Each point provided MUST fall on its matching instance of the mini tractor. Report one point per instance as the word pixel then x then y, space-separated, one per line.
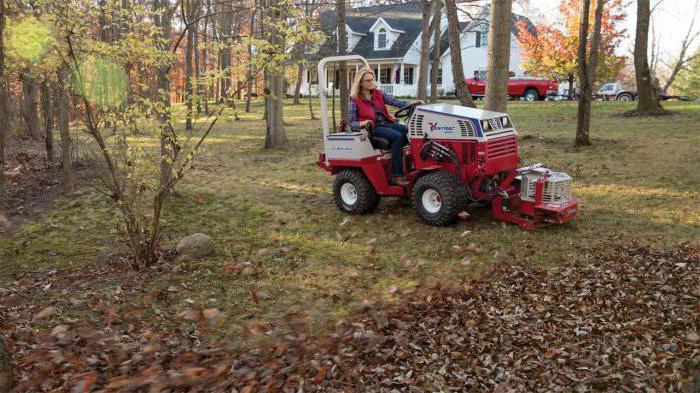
pixel 456 156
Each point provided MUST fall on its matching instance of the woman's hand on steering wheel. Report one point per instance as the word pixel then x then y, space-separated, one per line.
pixel 407 110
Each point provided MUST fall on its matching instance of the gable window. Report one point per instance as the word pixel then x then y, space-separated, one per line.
pixel 408 75
pixel 381 39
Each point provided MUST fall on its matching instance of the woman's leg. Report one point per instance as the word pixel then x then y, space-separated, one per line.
pixel 403 130
pixel 396 138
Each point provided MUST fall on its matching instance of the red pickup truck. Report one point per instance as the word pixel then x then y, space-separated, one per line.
pixel 532 89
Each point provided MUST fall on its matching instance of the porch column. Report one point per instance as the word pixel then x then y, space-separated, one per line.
pixel 378 74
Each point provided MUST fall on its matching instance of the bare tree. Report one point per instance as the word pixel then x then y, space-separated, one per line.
pixel 190 14
pixel 30 106
pixel 343 49
pixel 4 112
pixel 500 26
pixel 47 110
pixel 453 34
pixel 435 64
pixel 63 122
pixel 424 52
pixel 683 58
pixel 648 97
pixel 586 69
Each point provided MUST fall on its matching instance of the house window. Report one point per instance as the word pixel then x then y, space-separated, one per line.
pixel 439 78
pixel 385 76
pixel 381 39
pixel 408 75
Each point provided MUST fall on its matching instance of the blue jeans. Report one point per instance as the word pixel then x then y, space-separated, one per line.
pixel 396 134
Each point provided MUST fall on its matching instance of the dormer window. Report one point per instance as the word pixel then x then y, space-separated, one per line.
pixel 381 39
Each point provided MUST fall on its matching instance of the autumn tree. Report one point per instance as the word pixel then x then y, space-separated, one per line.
pixel 552 50
pixel 587 59
pixel 500 23
pixel 424 51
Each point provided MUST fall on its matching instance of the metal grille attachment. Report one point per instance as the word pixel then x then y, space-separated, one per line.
pixel 495 124
pixel 416 126
pixel 467 129
pixel 557 187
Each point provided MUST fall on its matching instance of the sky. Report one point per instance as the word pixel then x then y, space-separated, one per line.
pixel 671 20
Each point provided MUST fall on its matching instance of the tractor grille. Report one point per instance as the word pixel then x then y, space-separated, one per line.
pixel 469 153
pixel 557 187
pixel 467 129
pixel 416 126
pixel 502 147
pixel 495 124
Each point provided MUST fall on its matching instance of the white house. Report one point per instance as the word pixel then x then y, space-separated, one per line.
pixel 389 36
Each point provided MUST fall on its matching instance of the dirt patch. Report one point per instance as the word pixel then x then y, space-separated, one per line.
pixel 626 321
pixel 636 113
pixel 32 183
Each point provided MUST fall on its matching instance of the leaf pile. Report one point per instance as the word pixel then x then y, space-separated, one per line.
pixel 628 321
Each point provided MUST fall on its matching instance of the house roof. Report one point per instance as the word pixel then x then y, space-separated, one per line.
pixel 405 17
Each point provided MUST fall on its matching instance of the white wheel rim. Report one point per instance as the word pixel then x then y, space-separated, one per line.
pixel 624 98
pixel 348 193
pixel 431 201
pixel 530 97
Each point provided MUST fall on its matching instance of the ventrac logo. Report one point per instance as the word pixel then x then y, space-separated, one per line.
pixel 435 127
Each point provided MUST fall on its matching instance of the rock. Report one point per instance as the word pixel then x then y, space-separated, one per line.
pixel 195 246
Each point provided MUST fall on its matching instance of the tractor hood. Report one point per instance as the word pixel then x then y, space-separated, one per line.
pixel 445 121
pixel 461 111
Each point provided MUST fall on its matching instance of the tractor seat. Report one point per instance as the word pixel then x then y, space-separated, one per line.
pixel 381 143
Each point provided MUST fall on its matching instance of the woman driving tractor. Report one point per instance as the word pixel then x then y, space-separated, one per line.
pixel 367 109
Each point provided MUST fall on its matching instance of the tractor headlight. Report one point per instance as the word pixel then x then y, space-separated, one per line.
pixel 504 121
pixel 485 125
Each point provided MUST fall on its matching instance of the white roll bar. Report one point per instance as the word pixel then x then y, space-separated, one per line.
pixel 322 85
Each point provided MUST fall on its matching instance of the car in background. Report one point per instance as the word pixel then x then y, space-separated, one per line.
pixel 530 89
pixel 614 91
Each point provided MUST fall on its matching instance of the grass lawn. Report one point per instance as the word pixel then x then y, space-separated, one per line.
pixel 282 245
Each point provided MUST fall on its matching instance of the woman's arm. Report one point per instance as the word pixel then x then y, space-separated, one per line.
pixel 391 100
pixel 354 120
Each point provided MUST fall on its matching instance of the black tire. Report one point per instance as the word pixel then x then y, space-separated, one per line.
pixel 452 196
pixel 366 197
pixel 531 94
pixel 625 97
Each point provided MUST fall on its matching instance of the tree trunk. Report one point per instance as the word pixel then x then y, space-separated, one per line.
pixel 648 98
pixel 226 31
pixel 462 91
pixel 63 114
pixel 162 7
pixel 587 66
pixel 189 91
pixel 311 108
pixel 570 94
pixel 47 110
pixel 4 114
pixel 343 49
pixel 30 107
pixel 500 26
pixel 424 52
pixel 251 73
pixel 435 64
pixel 205 54
pixel 297 86
pixel 197 76
pixel 276 136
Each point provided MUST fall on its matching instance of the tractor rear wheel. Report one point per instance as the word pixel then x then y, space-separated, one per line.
pixel 439 197
pixel 353 193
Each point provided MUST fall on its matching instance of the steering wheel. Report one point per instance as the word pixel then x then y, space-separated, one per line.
pixel 407 110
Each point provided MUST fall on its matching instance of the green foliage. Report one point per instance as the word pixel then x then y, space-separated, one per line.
pixel 688 80
pixel 101 81
pixel 29 39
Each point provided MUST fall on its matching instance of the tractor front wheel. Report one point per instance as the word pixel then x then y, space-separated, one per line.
pixel 439 197
pixel 353 193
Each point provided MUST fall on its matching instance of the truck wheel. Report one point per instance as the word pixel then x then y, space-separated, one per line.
pixel 624 97
pixel 353 193
pixel 438 197
pixel 531 95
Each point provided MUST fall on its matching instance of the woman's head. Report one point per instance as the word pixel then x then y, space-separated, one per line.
pixel 364 80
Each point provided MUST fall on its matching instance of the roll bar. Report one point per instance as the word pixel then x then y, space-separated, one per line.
pixel 322 90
